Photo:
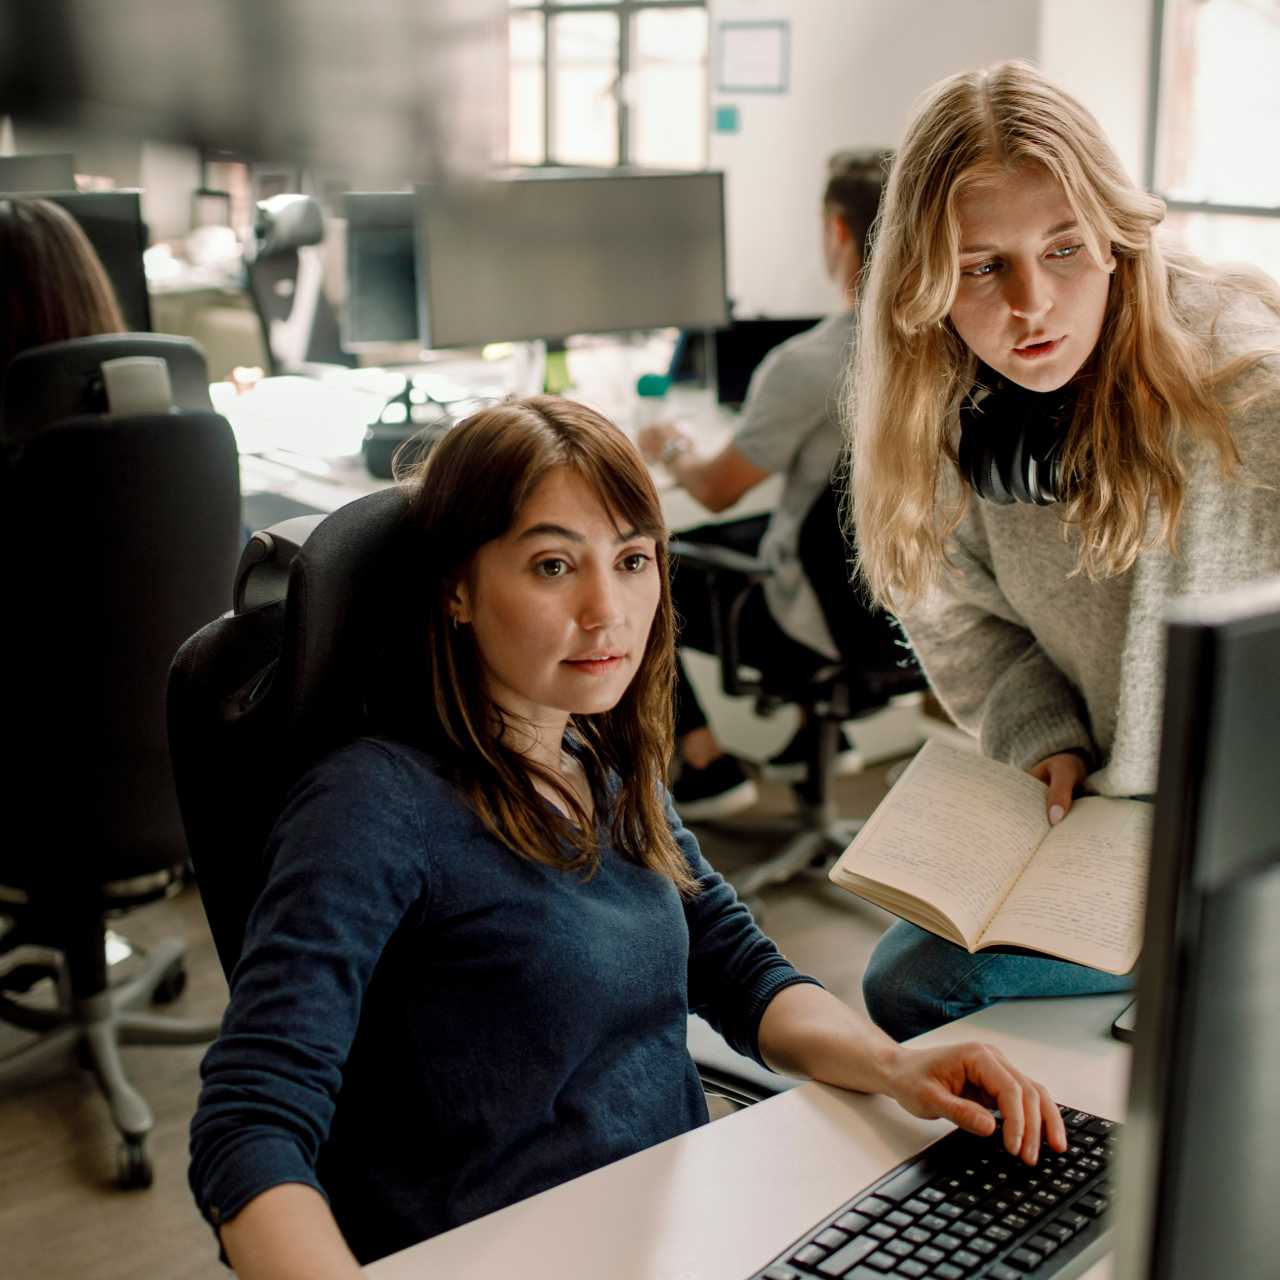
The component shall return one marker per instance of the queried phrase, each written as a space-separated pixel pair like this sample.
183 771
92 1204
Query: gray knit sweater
1033 658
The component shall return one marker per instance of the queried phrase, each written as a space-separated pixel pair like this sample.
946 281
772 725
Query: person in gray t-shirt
790 424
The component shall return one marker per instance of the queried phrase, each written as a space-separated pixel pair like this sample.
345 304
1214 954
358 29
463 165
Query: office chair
120 538
258 696
286 285
874 667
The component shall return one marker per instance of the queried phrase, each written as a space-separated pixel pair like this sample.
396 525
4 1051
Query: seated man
790 423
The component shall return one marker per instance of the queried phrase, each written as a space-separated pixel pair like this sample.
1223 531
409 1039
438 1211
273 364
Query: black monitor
38 173
112 220
1200 1160
382 277
740 346
514 258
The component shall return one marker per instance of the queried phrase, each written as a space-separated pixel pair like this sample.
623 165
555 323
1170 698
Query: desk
720 1202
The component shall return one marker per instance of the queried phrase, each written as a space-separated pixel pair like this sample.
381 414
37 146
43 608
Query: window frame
626 10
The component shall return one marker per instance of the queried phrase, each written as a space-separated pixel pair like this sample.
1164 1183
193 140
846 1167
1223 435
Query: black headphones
1011 440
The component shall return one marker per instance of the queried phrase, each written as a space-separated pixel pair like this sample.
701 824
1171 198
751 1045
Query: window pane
584 69
1219 237
525 125
667 88
1220 102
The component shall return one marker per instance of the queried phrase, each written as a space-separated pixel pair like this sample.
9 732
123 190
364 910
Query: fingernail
1055 814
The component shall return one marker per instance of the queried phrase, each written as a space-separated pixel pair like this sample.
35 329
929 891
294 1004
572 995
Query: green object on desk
653 385
555 377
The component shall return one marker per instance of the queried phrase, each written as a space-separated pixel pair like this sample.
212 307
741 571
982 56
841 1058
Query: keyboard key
929 1254
1100 1127
882 1261
912 1268
1056 1231
852 1222
1015 1222
780 1271
1093 1205
947 1272
931 1222
900 1248
949 1210
830 1238
1075 1119
810 1255
908 1182
1001 1272
997 1233
848 1257
881 1231
1076 1221
979 1217
963 1258
917 1235
899 1219
932 1195
1042 1244
873 1207
1024 1259
982 1247
916 1205
948 1239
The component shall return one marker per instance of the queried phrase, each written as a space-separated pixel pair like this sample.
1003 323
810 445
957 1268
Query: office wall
856 66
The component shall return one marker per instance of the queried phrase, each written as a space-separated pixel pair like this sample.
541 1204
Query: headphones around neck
1011 440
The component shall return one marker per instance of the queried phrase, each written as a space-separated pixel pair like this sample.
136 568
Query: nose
1027 293
600 606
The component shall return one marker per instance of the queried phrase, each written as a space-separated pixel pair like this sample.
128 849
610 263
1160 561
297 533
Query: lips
596 663
1038 350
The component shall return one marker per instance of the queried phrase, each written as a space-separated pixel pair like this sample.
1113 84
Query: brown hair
52 284
467 493
854 182
1151 379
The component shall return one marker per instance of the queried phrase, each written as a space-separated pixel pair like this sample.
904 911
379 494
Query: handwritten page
1084 895
956 831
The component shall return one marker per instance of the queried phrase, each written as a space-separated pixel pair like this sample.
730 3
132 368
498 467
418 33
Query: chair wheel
171 986
133 1166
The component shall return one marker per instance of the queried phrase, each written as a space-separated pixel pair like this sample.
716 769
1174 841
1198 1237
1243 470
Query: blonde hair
1149 379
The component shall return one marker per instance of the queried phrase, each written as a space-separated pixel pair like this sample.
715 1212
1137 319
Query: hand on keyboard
961 1083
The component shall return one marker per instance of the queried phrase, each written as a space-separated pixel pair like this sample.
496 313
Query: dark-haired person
469 974
1020 303
790 425
52 283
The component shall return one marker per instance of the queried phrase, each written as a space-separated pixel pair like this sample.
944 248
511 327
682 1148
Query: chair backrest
257 697
877 661
120 538
286 285
62 379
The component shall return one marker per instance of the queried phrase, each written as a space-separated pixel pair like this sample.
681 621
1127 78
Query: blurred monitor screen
37 173
382 277
1200 1153
508 259
112 220
741 346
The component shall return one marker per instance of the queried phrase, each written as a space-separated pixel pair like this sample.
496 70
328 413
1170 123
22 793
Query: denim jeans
916 981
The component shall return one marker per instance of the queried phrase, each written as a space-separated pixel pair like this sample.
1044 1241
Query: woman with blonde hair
52 284
1057 426
469 975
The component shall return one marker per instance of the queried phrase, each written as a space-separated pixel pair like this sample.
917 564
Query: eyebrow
1070 225
550 530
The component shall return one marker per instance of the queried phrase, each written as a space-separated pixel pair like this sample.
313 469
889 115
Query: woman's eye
1065 251
635 562
981 271
551 568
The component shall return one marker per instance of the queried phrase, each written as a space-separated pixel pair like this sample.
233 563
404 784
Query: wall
856 67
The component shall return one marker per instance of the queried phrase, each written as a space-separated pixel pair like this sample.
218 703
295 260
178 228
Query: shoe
790 764
718 791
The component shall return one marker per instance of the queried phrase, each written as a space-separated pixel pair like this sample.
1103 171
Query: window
1217 106
608 82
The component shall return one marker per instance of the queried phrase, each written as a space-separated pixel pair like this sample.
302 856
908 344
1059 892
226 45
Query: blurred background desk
720 1202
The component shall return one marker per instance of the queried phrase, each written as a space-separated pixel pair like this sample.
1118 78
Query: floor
61 1218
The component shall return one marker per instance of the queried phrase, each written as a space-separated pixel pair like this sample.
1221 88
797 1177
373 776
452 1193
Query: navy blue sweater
426 1027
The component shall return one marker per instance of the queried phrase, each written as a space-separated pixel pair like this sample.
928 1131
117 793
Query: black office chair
874 668
120 538
258 696
286 284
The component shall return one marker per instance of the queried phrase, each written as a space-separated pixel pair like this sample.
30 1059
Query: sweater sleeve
987 668
734 969
344 874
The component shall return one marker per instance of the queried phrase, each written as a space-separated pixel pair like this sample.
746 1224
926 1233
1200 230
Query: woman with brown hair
1059 425
469 975
52 283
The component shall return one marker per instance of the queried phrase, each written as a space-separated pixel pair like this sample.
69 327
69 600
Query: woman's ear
459 604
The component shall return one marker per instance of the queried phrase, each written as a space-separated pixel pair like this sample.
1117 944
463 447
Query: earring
453 621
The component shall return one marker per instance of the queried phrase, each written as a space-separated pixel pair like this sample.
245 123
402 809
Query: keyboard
963 1208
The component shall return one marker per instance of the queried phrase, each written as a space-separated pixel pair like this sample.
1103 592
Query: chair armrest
726 1073
262 576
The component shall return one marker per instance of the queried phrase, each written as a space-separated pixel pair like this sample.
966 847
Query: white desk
720 1202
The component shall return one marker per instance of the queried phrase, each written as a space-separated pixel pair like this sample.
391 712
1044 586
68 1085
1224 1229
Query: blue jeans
916 980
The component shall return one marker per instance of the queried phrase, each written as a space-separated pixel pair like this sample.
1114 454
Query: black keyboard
964 1207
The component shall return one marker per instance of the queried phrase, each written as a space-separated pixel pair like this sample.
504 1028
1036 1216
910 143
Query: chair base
812 851
95 1027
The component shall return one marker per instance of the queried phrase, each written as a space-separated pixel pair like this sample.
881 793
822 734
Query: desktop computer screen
37 173
739 348
382 276
509 259
1200 1156
112 220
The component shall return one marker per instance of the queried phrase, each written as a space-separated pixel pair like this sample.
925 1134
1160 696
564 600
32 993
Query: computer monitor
1200 1154
112 220
382 274
38 173
739 348
508 259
